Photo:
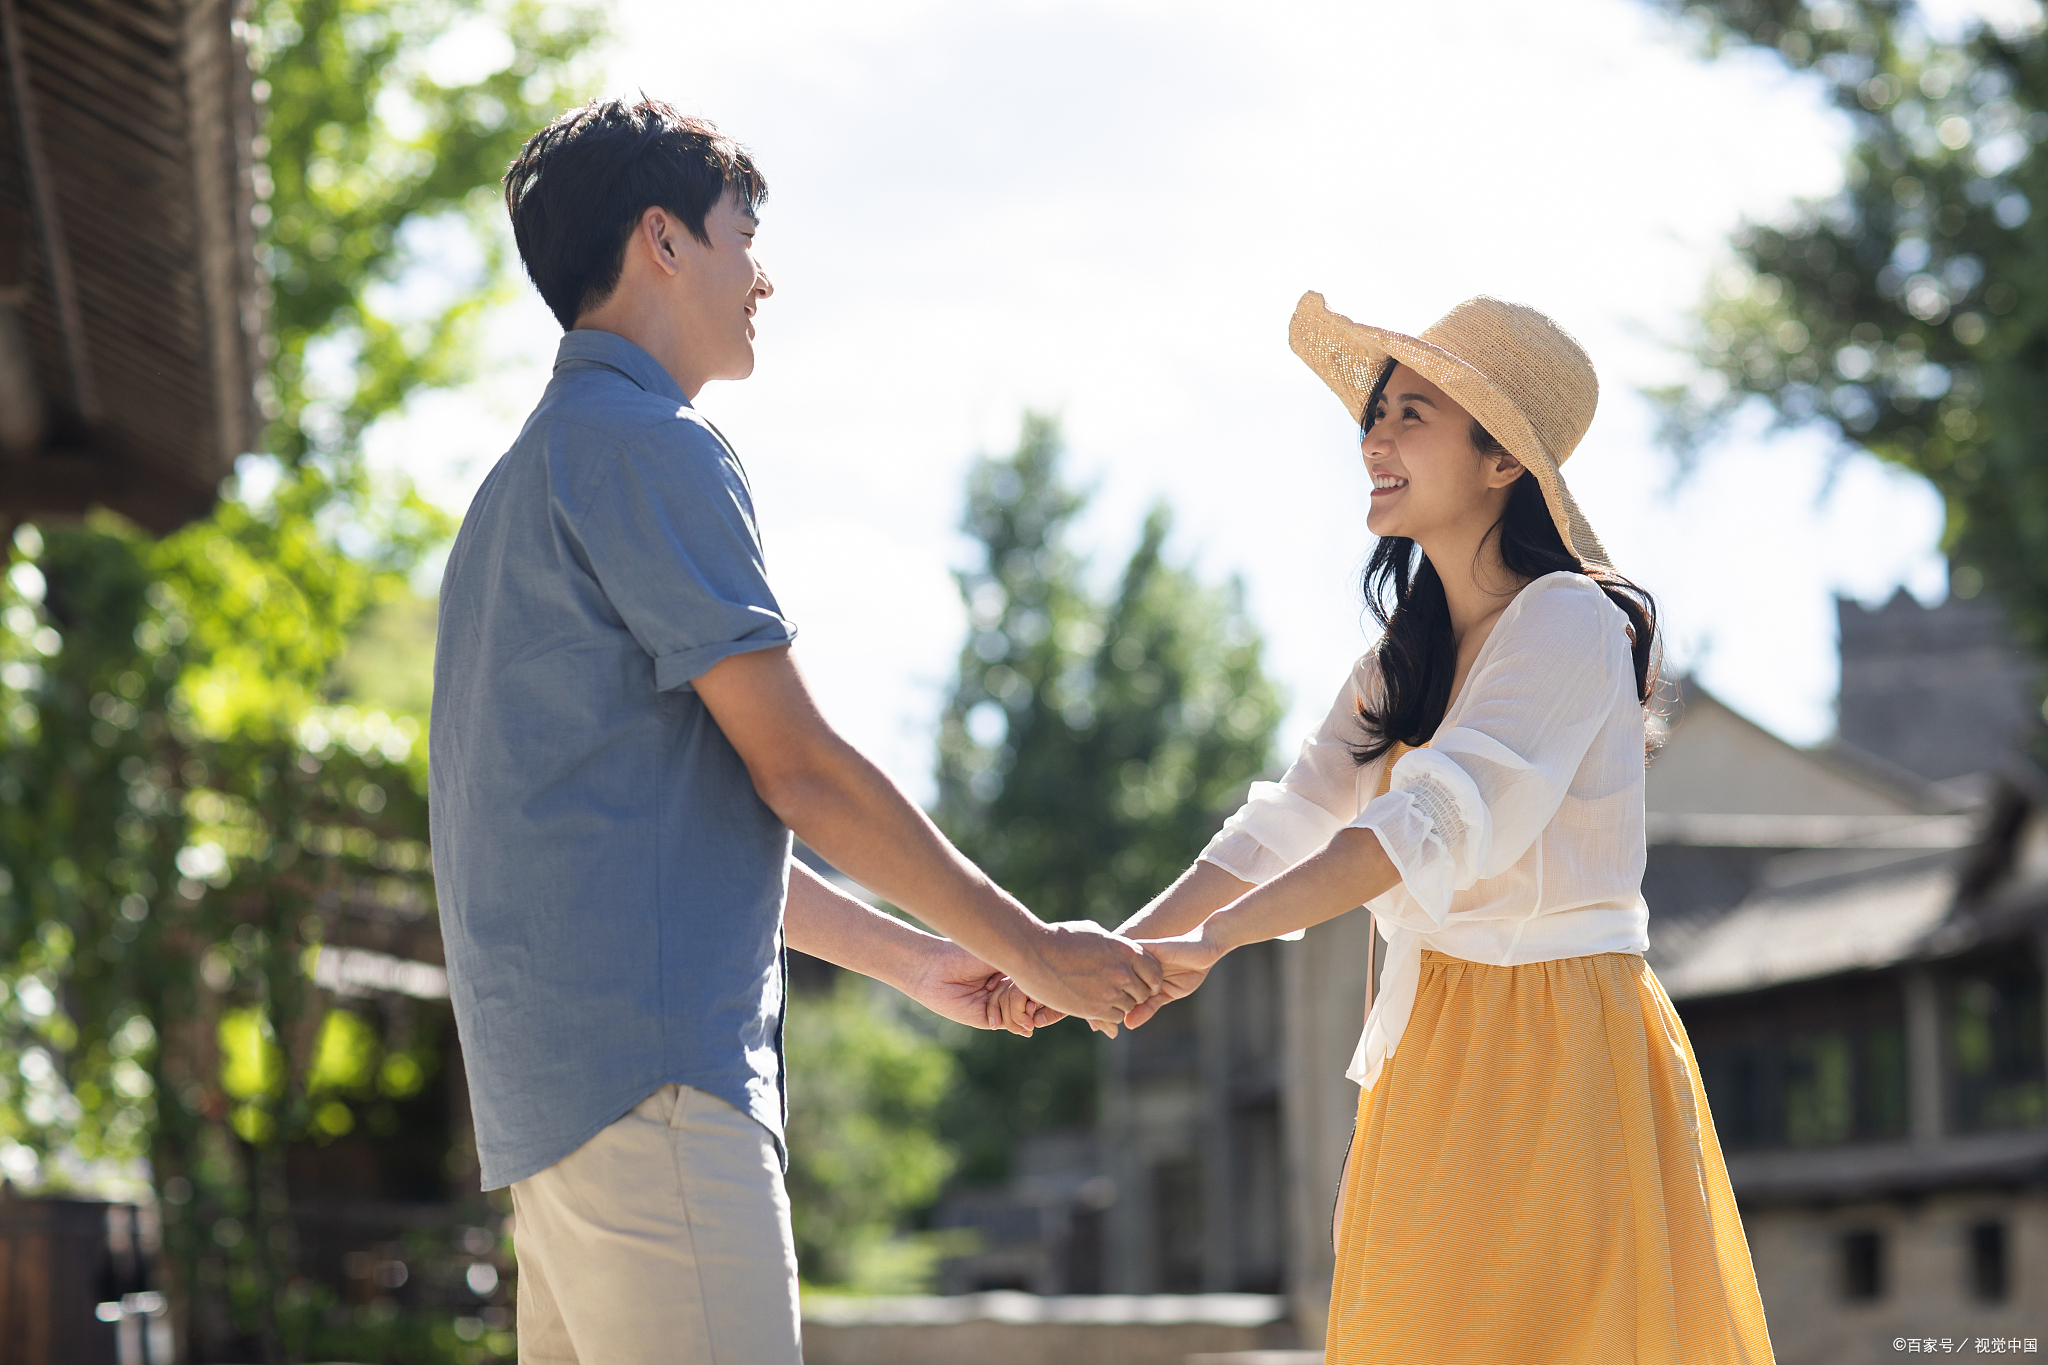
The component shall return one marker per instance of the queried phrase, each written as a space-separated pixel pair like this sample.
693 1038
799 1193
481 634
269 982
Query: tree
185 811
1909 313
864 1085
1088 751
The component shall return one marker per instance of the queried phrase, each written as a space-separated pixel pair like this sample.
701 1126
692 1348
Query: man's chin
737 368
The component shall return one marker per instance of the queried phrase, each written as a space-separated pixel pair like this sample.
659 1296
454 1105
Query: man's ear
658 231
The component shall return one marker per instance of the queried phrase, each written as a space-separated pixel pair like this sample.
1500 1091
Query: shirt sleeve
1282 823
1471 804
668 530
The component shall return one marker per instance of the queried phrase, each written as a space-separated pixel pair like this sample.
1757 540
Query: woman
1534 1176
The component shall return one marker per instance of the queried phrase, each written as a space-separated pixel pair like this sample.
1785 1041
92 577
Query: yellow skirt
1535 1179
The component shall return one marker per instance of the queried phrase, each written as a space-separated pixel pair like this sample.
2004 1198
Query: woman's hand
1187 959
1021 1015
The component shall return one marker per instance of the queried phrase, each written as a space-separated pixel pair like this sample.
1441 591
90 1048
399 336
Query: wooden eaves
131 316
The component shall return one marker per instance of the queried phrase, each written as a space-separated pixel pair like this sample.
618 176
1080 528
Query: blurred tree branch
1909 312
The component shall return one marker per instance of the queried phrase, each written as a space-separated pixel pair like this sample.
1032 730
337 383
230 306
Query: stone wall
1002 1328
1927 1278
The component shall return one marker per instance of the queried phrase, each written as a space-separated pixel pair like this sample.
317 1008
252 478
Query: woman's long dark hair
1417 654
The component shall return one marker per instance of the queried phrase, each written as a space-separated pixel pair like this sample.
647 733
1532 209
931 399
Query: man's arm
846 808
939 974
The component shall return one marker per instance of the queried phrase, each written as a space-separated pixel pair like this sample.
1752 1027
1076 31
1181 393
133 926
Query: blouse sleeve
1471 804
1285 822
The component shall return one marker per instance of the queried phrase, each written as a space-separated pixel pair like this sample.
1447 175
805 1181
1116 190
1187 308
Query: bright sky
1107 209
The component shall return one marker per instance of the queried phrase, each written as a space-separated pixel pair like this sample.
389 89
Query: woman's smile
1384 483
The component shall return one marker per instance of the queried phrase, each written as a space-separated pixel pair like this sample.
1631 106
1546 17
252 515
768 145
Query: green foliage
1087 753
179 816
361 146
1909 312
315 1325
389 662
864 1152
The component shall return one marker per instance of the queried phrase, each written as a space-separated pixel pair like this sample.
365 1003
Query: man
621 747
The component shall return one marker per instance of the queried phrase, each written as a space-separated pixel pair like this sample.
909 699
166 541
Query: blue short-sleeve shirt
611 887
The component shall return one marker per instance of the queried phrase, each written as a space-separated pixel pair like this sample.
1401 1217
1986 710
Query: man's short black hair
579 187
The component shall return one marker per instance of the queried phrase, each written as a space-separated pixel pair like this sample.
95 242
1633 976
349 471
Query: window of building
1862 1265
1820 1088
1806 1070
1995 1049
1988 1273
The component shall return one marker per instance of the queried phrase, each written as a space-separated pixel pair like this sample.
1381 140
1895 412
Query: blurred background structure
127 379
1800 235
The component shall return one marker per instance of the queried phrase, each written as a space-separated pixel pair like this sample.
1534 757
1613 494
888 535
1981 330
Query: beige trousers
664 1240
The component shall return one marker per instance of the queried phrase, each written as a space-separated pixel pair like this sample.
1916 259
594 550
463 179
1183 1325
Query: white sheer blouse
1518 831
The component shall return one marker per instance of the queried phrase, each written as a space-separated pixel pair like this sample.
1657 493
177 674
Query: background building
1859 964
131 316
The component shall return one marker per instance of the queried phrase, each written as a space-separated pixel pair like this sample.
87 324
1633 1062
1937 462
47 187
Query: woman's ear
1506 469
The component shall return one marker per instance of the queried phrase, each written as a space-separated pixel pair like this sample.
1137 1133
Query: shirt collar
615 352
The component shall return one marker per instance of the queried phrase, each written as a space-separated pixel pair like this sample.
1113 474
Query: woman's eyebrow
1414 398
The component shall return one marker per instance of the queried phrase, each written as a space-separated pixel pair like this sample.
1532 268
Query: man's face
719 287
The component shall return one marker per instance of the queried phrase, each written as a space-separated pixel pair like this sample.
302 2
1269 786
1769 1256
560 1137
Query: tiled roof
1844 918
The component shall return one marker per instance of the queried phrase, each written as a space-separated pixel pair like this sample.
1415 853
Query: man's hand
1084 969
1187 959
955 984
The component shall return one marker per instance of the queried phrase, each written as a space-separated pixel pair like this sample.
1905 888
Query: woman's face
1429 481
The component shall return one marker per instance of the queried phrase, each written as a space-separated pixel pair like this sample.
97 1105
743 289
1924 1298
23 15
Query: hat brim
1350 356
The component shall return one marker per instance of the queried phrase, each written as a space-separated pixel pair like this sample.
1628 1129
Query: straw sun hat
1518 373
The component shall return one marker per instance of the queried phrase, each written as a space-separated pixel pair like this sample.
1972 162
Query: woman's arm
1195 895
1351 870
1280 823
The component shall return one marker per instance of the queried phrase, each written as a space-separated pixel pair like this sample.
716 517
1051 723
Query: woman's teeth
1388 481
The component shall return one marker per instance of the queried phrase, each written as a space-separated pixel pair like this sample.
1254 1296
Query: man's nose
762 284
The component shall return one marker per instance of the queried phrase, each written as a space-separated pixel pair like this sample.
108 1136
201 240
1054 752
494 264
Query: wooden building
1863 990
131 315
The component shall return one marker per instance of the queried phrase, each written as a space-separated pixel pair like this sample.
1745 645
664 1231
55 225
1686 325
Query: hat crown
1534 363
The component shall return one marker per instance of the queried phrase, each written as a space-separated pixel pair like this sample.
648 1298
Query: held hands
1101 975
1084 969
1185 961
